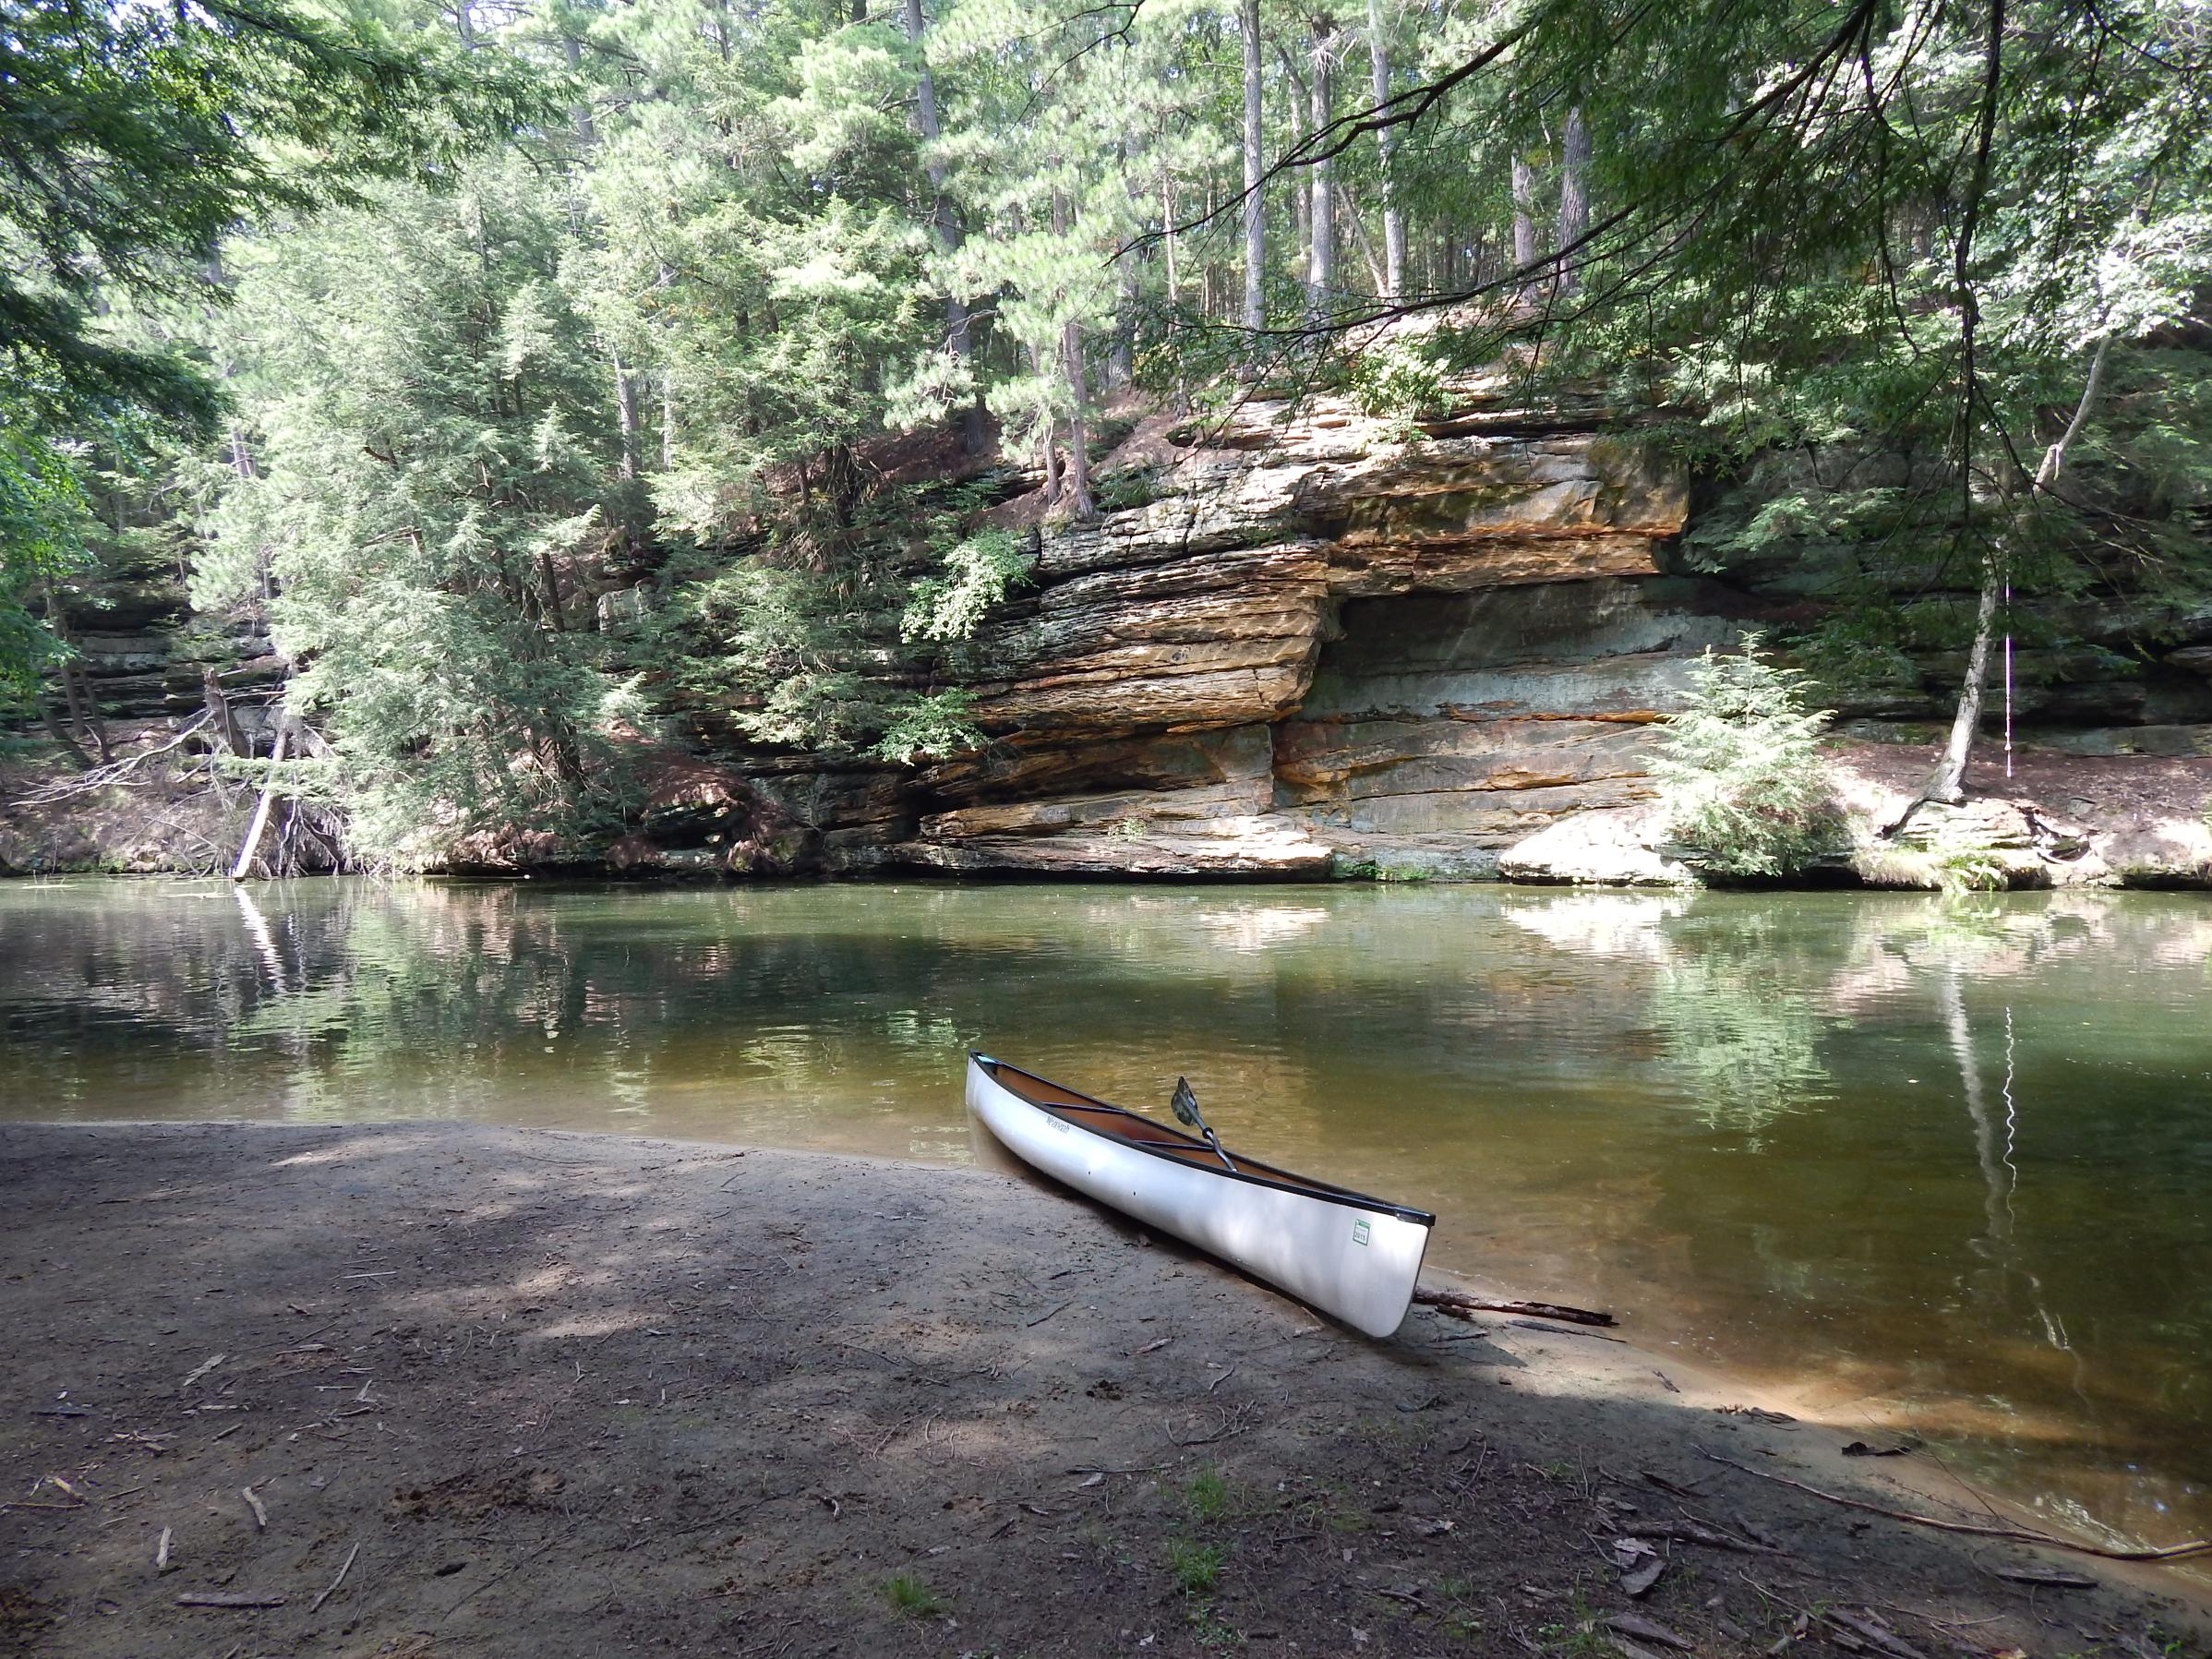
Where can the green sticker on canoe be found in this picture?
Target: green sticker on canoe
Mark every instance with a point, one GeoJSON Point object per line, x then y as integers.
{"type": "Point", "coordinates": [1359, 1232]}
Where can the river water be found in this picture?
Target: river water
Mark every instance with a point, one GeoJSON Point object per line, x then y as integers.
{"type": "Point", "coordinates": [1944, 1169]}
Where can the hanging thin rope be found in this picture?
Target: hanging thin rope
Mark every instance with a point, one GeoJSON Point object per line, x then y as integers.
{"type": "Point", "coordinates": [2008, 678]}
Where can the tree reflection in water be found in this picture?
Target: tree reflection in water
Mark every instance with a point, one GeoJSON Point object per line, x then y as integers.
{"type": "Point", "coordinates": [1946, 1162]}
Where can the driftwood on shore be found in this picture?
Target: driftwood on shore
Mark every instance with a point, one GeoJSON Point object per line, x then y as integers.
{"type": "Point", "coordinates": [1460, 1305]}
{"type": "Point", "coordinates": [2172, 1552]}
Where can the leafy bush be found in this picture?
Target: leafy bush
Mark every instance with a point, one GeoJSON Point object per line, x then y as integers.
{"type": "Point", "coordinates": [1738, 768]}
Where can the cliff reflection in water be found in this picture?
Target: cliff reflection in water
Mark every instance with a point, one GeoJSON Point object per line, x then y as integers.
{"type": "Point", "coordinates": [1939, 1167]}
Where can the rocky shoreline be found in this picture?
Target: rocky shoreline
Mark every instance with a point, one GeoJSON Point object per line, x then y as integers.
{"type": "Point", "coordinates": [1299, 644]}
{"type": "Point", "coordinates": [2060, 821]}
{"type": "Point", "coordinates": [425, 1390]}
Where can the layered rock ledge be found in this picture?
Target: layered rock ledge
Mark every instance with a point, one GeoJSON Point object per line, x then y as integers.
{"type": "Point", "coordinates": [1311, 652]}
{"type": "Point", "coordinates": [1304, 647]}
{"type": "Point", "coordinates": [1317, 649]}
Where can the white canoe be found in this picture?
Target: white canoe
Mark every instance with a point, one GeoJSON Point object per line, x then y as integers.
{"type": "Point", "coordinates": [1350, 1256]}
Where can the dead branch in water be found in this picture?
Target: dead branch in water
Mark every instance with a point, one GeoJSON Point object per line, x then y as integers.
{"type": "Point", "coordinates": [1460, 1304]}
{"type": "Point", "coordinates": [2172, 1552]}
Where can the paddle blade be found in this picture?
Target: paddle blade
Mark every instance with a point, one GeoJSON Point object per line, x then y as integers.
{"type": "Point", "coordinates": [1186, 1104]}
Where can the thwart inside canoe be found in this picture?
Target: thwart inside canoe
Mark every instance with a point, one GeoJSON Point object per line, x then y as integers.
{"type": "Point", "coordinates": [1163, 1140]}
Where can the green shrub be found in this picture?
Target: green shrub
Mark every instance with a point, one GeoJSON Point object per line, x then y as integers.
{"type": "Point", "coordinates": [1399, 383]}
{"type": "Point", "coordinates": [1738, 768]}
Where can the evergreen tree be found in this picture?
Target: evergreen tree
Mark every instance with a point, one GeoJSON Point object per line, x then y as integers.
{"type": "Point", "coordinates": [434, 457]}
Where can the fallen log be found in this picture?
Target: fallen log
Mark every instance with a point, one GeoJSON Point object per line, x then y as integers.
{"type": "Point", "coordinates": [1460, 1305]}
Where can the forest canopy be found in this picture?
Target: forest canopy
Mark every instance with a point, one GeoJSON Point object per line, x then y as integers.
{"type": "Point", "coordinates": [516, 366]}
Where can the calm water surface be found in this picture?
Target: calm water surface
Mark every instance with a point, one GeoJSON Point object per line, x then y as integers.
{"type": "Point", "coordinates": [1937, 1167]}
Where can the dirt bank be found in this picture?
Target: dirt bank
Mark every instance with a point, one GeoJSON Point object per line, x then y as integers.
{"type": "Point", "coordinates": [427, 1390]}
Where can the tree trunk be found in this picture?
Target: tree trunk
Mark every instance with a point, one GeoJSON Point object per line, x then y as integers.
{"type": "Point", "coordinates": [465, 17]}
{"type": "Point", "coordinates": [1167, 222]}
{"type": "Point", "coordinates": [1574, 195]}
{"type": "Point", "coordinates": [1077, 490]}
{"type": "Point", "coordinates": [668, 421]}
{"type": "Point", "coordinates": [1302, 193]}
{"type": "Point", "coordinates": [258, 825]}
{"type": "Point", "coordinates": [1376, 271]}
{"type": "Point", "coordinates": [59, 733]}
{"type": "Point", "coordinates": [76, 687]}
{"type": "Point", "coordinates": [1386, 146]}
{"type": "Point", "coordinates": [551, 578]}
{"type": "Point", "coordinates": [580, 112]}
{"type": "Point", "coordinates": [1524, 223]}
{"type": "Point", "coordinates": [1948, 784]}
{"type": "Point", "coordinates": [1255, 213]}
{"type": "Point", "coordinates": [1206, 271]}
{"type": "Point", "coordinates": [1076, 482]}
{"type": "Point", "coordinates": [959, 330]}
{"type": "Point", "coordinates": [1120, 355]}
{"type": "Point", "coordinates": [221, 718]}
{"type": "Point", "coordinates": [626, 411]}
{"type": "Point", "coordinates": [1321, 271]}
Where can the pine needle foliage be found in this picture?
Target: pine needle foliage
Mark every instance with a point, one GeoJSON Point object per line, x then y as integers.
{"type": "Point", "coordinates": [1738, 768]}
{"type": "Point", "coordinates": [978, 572]}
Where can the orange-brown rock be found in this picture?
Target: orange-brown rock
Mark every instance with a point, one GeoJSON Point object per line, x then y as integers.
{"type": "Point", "coordinates": [1313, 646]}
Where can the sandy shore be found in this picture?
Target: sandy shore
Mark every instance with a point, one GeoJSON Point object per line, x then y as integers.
{"type": "Point", "coordinates": [418, 1390]}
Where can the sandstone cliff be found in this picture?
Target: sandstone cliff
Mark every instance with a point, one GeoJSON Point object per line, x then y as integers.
{"type": "Point", "coordinates": [1317, 651]}
{"type": "Point", "coordinates": [1310, 648]}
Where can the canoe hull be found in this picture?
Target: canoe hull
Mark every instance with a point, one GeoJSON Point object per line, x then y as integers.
{"type": "Point", "coordinates": [1355, 1263]}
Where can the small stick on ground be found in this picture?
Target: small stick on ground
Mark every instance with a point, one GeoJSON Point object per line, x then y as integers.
{"type": "Point", "coordinates": [1458, 1304]}
{"type": "Point", "coordinates": [200, 1370]}
{"type": "Point", "coordinates": [1596, 1336]}
{"type": "Point", "coordinates": [2046, 1580]}
{"type": "Point", "coordinates": [254, 1503]}
{"type": "Point", "coordinates": [194, 1598]}
{"type": "Point", "coordinates": [344, 1567]}
{"type": "Point", "coordinates": [161, 1552]}
{"type": "Point", "coordinates": [2172, 1552]}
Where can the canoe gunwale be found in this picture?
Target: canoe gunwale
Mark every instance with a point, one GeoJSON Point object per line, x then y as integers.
{"type": "Point", "coordinates": [1283, 1180]}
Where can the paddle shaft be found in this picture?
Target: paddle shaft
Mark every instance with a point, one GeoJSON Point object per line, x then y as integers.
{"type": "Point", "coordinates": [1185, 1106]}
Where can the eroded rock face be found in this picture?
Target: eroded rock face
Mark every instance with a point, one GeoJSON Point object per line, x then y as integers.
{"type": "Point", "coordinates": [1317, 651]}
{"type": "Point", "coordinates": [1313, 652]}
